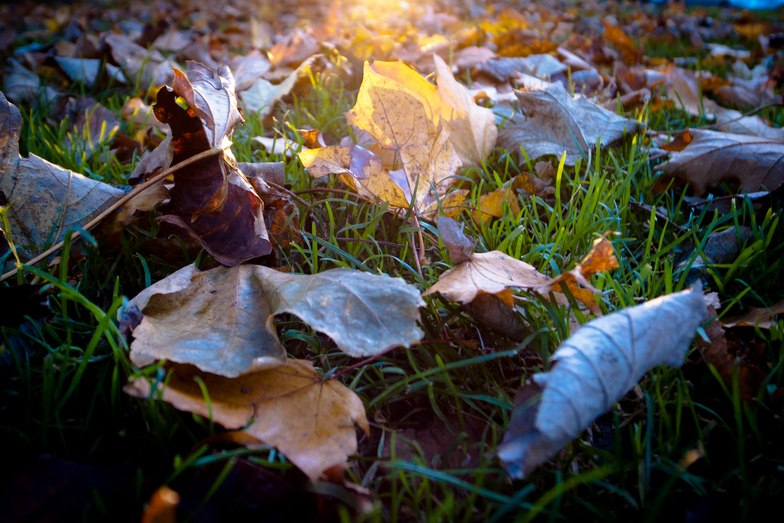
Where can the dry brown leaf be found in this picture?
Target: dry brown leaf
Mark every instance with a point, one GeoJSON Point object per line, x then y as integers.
{"type": "Point", "coordinates": [222, 320]}
{"type": "Point", "coordinates": [490, 273]}
{"type": "Point", "coordinates": [558, 123]}
{"type": "Point", "coordinates": [765, 318]}
{"type": "Point", "coordinates": [600, 259]}
{"type": "Point", "coordinates": [592, 370]}
{"type": "Point", "coordinates": [141, 114]}
{"type": "Point", "coordinates": [45, 200]}
{"type": "Point", "coordinates": [308, 419]}
{"type": "Point", "coordinates": [459, 245]}
{"type": "Point", "coordinates": [713, 157]}
{"type": "Point", "coordinates": [725, 351]}
{"type": "Point", "coordinates": [492, 204]}
{"type": "Point", "coordinates": [294, 50]}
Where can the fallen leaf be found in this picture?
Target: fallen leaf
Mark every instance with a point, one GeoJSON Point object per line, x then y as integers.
{"type": "Point", "coordinates": [615, 35]}
{"type": "Point", "coordinates": [263, 96]}
{"type": "Point", "coordinates": [278, 145]}
{"type": "Point", "coordinates": [141, 115]}
{"type": "Point", "coordinates": [490, 273]}
{"type": "Point", "coordinates": [20, 84]}
{"type": "Point", "coordinates": [459, 245]}
{"type": "Point", "coordinates": [713, 157]}
{"type": "Point", "coordinates": [293, 50]}
{"type": "Point", "coordinates": [726, 351]}
{"type": "Point", "coordinates": [45, 200]}
{"type": "Point", "coordinates": [398, 120]}
{"type": "Point", "coordinates": [162, 507]}
{"type": "Point", "coordinates": [87, 70]}
{"type": "Point", "coordinates": [211, 201]}
{"type": "Point", "coordinates": [724, 246]}
{"type": "Point", "coordinates": [764, 318]}
{"type": "Point", "coordinates": [594, 369]}
{"type": "Point", "coordinates": [492, 204]}
{"type": "Point", "coordinates": [600, 259]}
{"type": "Point", "coordinates": [248, 69]}
{"type": "Point", "coordinates": [507, 69]}
{"type": "Point", "coordinates": [222, 320]}
{"type": "Point", "coordinates": [558, 123]}
{"type": "Point", "coordinates": [308, 419]}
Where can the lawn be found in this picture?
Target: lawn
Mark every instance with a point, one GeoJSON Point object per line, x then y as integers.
{"type": "Point", "coordinates": [685, 443]}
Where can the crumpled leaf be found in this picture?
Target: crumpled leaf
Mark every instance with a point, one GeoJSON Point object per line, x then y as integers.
{"type": "Point", "coordinates": [211, 201]}
{"type": "Point", "coordinates": [713, 157]}
{"type": "Point", "coordinates": [45, 200]}
{"type": "Point", "coordinates": [20, 84]}
{"type": "Point", "coordinates": [221, 320]}
{"type": "Point", "coordinates": [263, 96]}
{"type": "Point", "coordinates": [460, 246]}
{"type": "Point", "coordinates": [492, 204]}
{"type": "Point", "coordinates": [490, 273]}
{"type": "Point", "coordinates": [87, 70]}
{"type": "Point", "coordinates": [594, 369]}
{"type": "Point", "coordinates": [558, 123]}
{"type": "Point", "coordinates": [600, 259]}
{"type": "Point", "coordinates": [309, 419]}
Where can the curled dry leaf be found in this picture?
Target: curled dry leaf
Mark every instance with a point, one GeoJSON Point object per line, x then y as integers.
{"type": "Point", "coordinates": [600, 259]}
{"type": "Point", "coordinates": [460, 246]}
{"type": "Point", "coordinates": [594, 369]}
{"type": "Point", "coordinates": [221, 320]}
{"type": "Point", "coordinates": [725, 351]}
{"type": "Point", "coordinates": [45, 199]}
{"type": "Point", "coordinates": [309, 419]}
{"type": "Point", "coordinates": [211, 200]}
{"type": "Point", "coordinates": [557, 123]}
{"type": "Point", "coordinates": [713, 157]}
{"type": "Point", "coordinates": [492, 204]}
{"type": "Point", "coordinates": [489, 273]}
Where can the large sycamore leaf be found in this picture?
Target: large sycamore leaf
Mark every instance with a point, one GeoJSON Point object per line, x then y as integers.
{"type": "Point", "coordinates": [472, 128]}
{"type": "Point", "coordinates": [221, 320]}
{"type": "Point", "coordinates": [398, 120]}
{"type": "Point", "coordinates": [211, 200]}
{"type": "Point", "coordinates": [711, 158]}
{"type": "Point", "coordinates": [309, 419]}
{"type": "Point", "coordinates": [594, 369]}
{"type": "Point", "coordinates": [556, 123]}
{"type": "Point", "coordinates": [45, 200]}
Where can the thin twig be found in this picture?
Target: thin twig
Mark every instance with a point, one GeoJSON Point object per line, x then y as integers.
{"type": "Point", "coordinates": [283, 189]}
{"type": "Point", "coordinates": [416, 256]}
{"type": "Point", "coordinates": [421, 240]}
{"type": "Point", "coordinates": [119, 203]}
{"type": "Point", "coordinates": [362, 240]}
{"type": "Point", "coordinates": [726, 197]}
{"type": "Point", "coordinates": [327, 189]}
{"type": "Point", "coordinates": [656, 213]}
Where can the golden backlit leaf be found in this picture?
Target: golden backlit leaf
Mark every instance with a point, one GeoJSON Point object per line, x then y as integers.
{"type": "Point", "coordinates": [308, 419]}
{"type": "Point", "coordinates": [398, 120]}
{"type": "Point", "coordinates": [600, 259]}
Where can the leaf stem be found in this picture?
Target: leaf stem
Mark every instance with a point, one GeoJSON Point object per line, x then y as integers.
{"type": "Point", "coordinates": [119, 203]}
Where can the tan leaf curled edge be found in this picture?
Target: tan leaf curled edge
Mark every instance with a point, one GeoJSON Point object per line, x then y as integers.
{"type": "Point", "coordinates": [291, 407]}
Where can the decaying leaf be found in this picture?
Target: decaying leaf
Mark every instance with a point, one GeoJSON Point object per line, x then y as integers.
{"type": "Point", "coordinates": [309, 419]}
{"type": "Point", "coordinates": [713, 157]}
{"type": "Point", "coordinates": [459, 245]}
{"type": "Point", "coordinates": [557, 123]}
{"type": "Point", "coordinates": [221, 320]}
{"type": "Point", "coordinates": [45, 200]}
{"type": "Point", "coordinates": [592, 370]}
{"type": "Point", "coordinates": [492, 204]}
{"type": "Point", "coordinates": [725, 352]}
{"type": "Point", "coordinates": [212, 200]}
{"type": "Point", "coordinates": [490, 273]}
{"type": "Point", "coordinates": [600, 259]}
{"type": "Point", "coordinates": [763, 317]}
{"type": "Point", "coordinates": [724, 246]}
